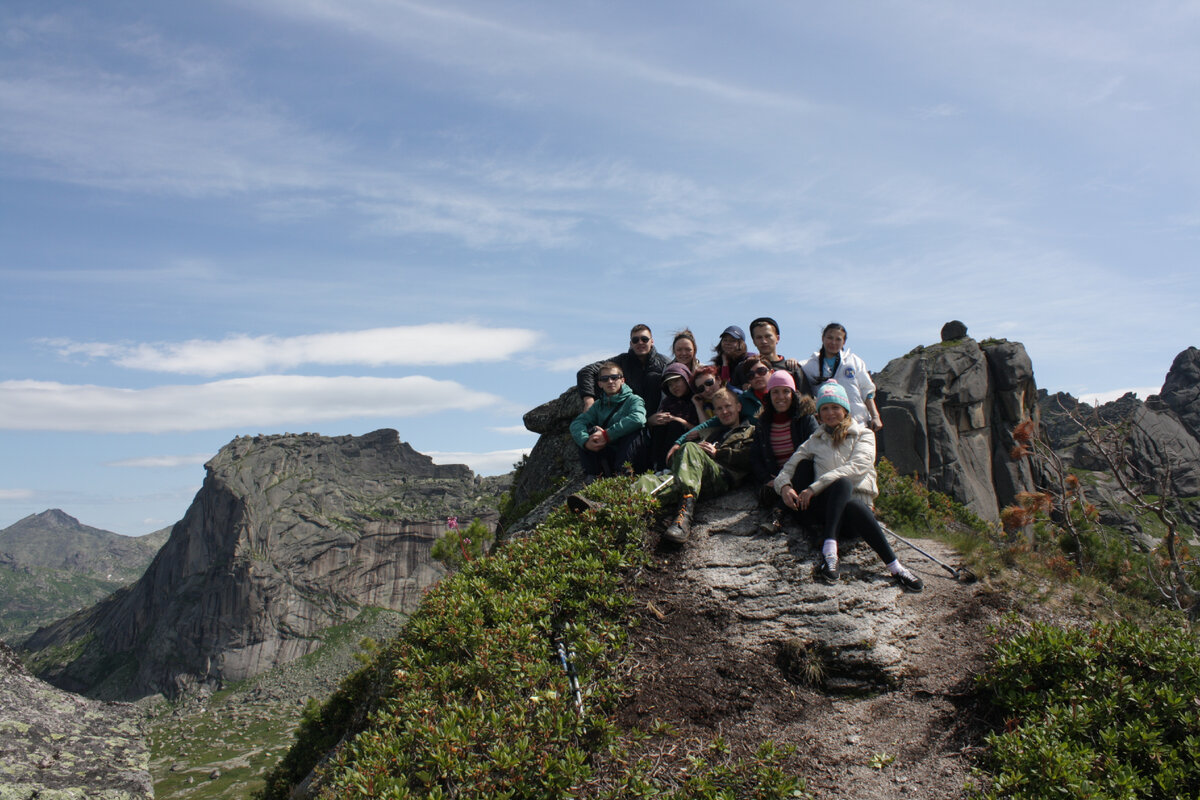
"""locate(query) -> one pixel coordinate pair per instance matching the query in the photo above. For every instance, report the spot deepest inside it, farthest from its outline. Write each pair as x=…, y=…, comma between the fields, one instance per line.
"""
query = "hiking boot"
x=681, y=528
x=909, y=582
x=578, y=504
x=773, y=526
x=827, y=570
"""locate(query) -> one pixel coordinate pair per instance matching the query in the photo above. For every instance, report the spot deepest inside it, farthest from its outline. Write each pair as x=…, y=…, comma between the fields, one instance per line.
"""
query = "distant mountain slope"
x=52, y=565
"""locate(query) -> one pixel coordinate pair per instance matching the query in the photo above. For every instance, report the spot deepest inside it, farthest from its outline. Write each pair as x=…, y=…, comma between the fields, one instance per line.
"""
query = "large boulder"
x=288, y=536
x=948, y=412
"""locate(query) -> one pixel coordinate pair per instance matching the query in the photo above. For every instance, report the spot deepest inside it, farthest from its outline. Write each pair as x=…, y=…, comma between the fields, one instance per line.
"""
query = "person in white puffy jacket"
x=833, y=362
x=830, y=482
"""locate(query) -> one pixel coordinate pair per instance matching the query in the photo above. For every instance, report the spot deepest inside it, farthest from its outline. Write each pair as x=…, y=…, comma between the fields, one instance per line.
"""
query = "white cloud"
x=16, y=494
x=494, y=462
x=1099, y=398
x=413, y=345
x=155, y=462
x=265, y=401
x=573, y=363
x=515, y=430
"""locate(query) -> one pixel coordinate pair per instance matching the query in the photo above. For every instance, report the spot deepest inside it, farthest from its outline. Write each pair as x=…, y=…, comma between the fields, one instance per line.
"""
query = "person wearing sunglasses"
x=641, y=365
x=705, y=383
x=610, y=431
x=765, y=333
x=834, y=362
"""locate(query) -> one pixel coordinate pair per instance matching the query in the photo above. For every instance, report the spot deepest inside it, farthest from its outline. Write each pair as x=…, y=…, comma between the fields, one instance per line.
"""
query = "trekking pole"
x=961, y=574
x=658, y=488
x=566, y=657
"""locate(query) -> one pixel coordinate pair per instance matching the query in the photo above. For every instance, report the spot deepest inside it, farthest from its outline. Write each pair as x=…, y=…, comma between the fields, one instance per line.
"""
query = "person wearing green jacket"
x=610, y=431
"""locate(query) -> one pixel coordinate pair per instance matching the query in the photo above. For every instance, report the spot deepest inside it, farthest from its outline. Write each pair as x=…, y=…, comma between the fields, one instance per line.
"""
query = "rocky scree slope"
x=288, y=535
x=54, y=744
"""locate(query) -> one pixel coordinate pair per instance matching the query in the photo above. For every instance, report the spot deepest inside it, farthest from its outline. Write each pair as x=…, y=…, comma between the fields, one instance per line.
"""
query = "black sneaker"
x=827, y=570
x=909, y=582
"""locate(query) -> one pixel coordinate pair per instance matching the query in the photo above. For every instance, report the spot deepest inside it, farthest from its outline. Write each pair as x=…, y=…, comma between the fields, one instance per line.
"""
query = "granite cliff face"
x=948, y=412
x=289, y=535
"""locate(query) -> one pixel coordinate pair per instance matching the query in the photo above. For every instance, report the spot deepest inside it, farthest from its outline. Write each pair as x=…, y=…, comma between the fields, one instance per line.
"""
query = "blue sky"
x=307, y=215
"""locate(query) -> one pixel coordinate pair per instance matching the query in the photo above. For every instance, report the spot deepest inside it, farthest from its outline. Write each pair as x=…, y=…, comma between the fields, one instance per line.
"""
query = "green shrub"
x=470, y=701
x=1105, y=712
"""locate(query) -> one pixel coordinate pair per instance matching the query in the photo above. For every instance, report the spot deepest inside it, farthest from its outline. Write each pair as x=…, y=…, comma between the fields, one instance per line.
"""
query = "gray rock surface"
x=858, y=628
x=58, y=746
x=554, y=461
x=948, y=412
x=289, y=535
x=1181, y=389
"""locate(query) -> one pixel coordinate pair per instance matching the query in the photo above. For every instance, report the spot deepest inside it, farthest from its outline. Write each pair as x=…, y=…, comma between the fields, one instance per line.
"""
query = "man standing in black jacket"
x=642, y=366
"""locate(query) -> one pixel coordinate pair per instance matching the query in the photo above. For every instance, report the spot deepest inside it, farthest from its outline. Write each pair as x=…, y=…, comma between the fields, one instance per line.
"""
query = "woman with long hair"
x=834, y=362
x=784, y=423
x=841, y=493
x=729, y=352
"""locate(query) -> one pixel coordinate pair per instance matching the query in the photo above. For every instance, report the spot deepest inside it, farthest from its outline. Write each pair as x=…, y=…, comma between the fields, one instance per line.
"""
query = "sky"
x=268, y=216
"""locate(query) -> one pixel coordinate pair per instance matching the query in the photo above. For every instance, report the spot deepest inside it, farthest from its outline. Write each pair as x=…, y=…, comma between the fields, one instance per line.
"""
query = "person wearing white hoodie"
x=840, y=497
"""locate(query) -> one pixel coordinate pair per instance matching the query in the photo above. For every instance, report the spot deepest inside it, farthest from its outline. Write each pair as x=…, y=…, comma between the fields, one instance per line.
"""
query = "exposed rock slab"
x=858, y=627
x=58, y=746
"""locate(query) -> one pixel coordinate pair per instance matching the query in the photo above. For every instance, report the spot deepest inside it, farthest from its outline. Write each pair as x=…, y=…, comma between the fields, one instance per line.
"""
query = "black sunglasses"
x=706, y=383
x=638, y=339
x=760, y=371
x=609, y=378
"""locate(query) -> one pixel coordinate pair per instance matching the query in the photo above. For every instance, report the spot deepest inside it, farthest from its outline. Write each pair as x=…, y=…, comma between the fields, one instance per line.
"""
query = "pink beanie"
x=781, y=377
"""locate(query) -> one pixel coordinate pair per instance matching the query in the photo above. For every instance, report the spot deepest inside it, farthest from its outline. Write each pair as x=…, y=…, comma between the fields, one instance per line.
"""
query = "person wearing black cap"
x=765, y=333
x=729, y=353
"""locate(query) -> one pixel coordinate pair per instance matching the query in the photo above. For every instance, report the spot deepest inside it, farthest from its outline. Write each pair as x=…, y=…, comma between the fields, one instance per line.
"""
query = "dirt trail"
x=716, y=613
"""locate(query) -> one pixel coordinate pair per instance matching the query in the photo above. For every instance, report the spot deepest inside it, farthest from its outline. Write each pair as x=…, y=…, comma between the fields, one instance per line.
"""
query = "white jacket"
x=854, y=377
x=854, y=458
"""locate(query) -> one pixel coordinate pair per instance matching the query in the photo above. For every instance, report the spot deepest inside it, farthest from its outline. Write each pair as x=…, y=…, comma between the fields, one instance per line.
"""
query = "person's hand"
x=709, y=447
x=671, y=452
x=596, y=441
x=660, y=418
x=804, y=499
x=875, y=424
x=791, y=363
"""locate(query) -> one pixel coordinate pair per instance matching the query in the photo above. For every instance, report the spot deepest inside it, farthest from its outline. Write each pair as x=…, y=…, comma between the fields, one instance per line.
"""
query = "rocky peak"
x=289, y=535
x=1181, y=390
x=948, y=411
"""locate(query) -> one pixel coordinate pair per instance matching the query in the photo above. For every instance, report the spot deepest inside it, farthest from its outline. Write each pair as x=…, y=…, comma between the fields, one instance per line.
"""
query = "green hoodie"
x=620, y=415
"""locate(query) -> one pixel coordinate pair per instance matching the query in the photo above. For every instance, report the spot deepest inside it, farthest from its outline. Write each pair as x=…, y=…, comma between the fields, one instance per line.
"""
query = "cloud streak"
x=416, y=345
x=160, y=462
x=262, y=402
x=493, y=462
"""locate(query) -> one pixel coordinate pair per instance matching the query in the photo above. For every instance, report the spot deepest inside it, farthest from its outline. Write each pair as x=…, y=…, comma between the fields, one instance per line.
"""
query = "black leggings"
x=842, y=517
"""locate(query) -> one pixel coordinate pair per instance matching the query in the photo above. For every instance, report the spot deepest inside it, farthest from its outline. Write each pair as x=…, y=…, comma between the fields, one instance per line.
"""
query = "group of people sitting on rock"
x=804, y=431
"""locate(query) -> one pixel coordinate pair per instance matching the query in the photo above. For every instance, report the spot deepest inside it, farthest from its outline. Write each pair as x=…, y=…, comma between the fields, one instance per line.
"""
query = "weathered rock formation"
x=948, y=411
x=288, y=535
x=51, y=565
x=1159, y=442
x=553, y=464
x=57, y=744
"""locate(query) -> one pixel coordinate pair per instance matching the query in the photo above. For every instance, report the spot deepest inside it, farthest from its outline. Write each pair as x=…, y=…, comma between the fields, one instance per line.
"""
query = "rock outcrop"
x=288, y=536
x=948, y=412
x=57, y=744
x=1181, y=390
